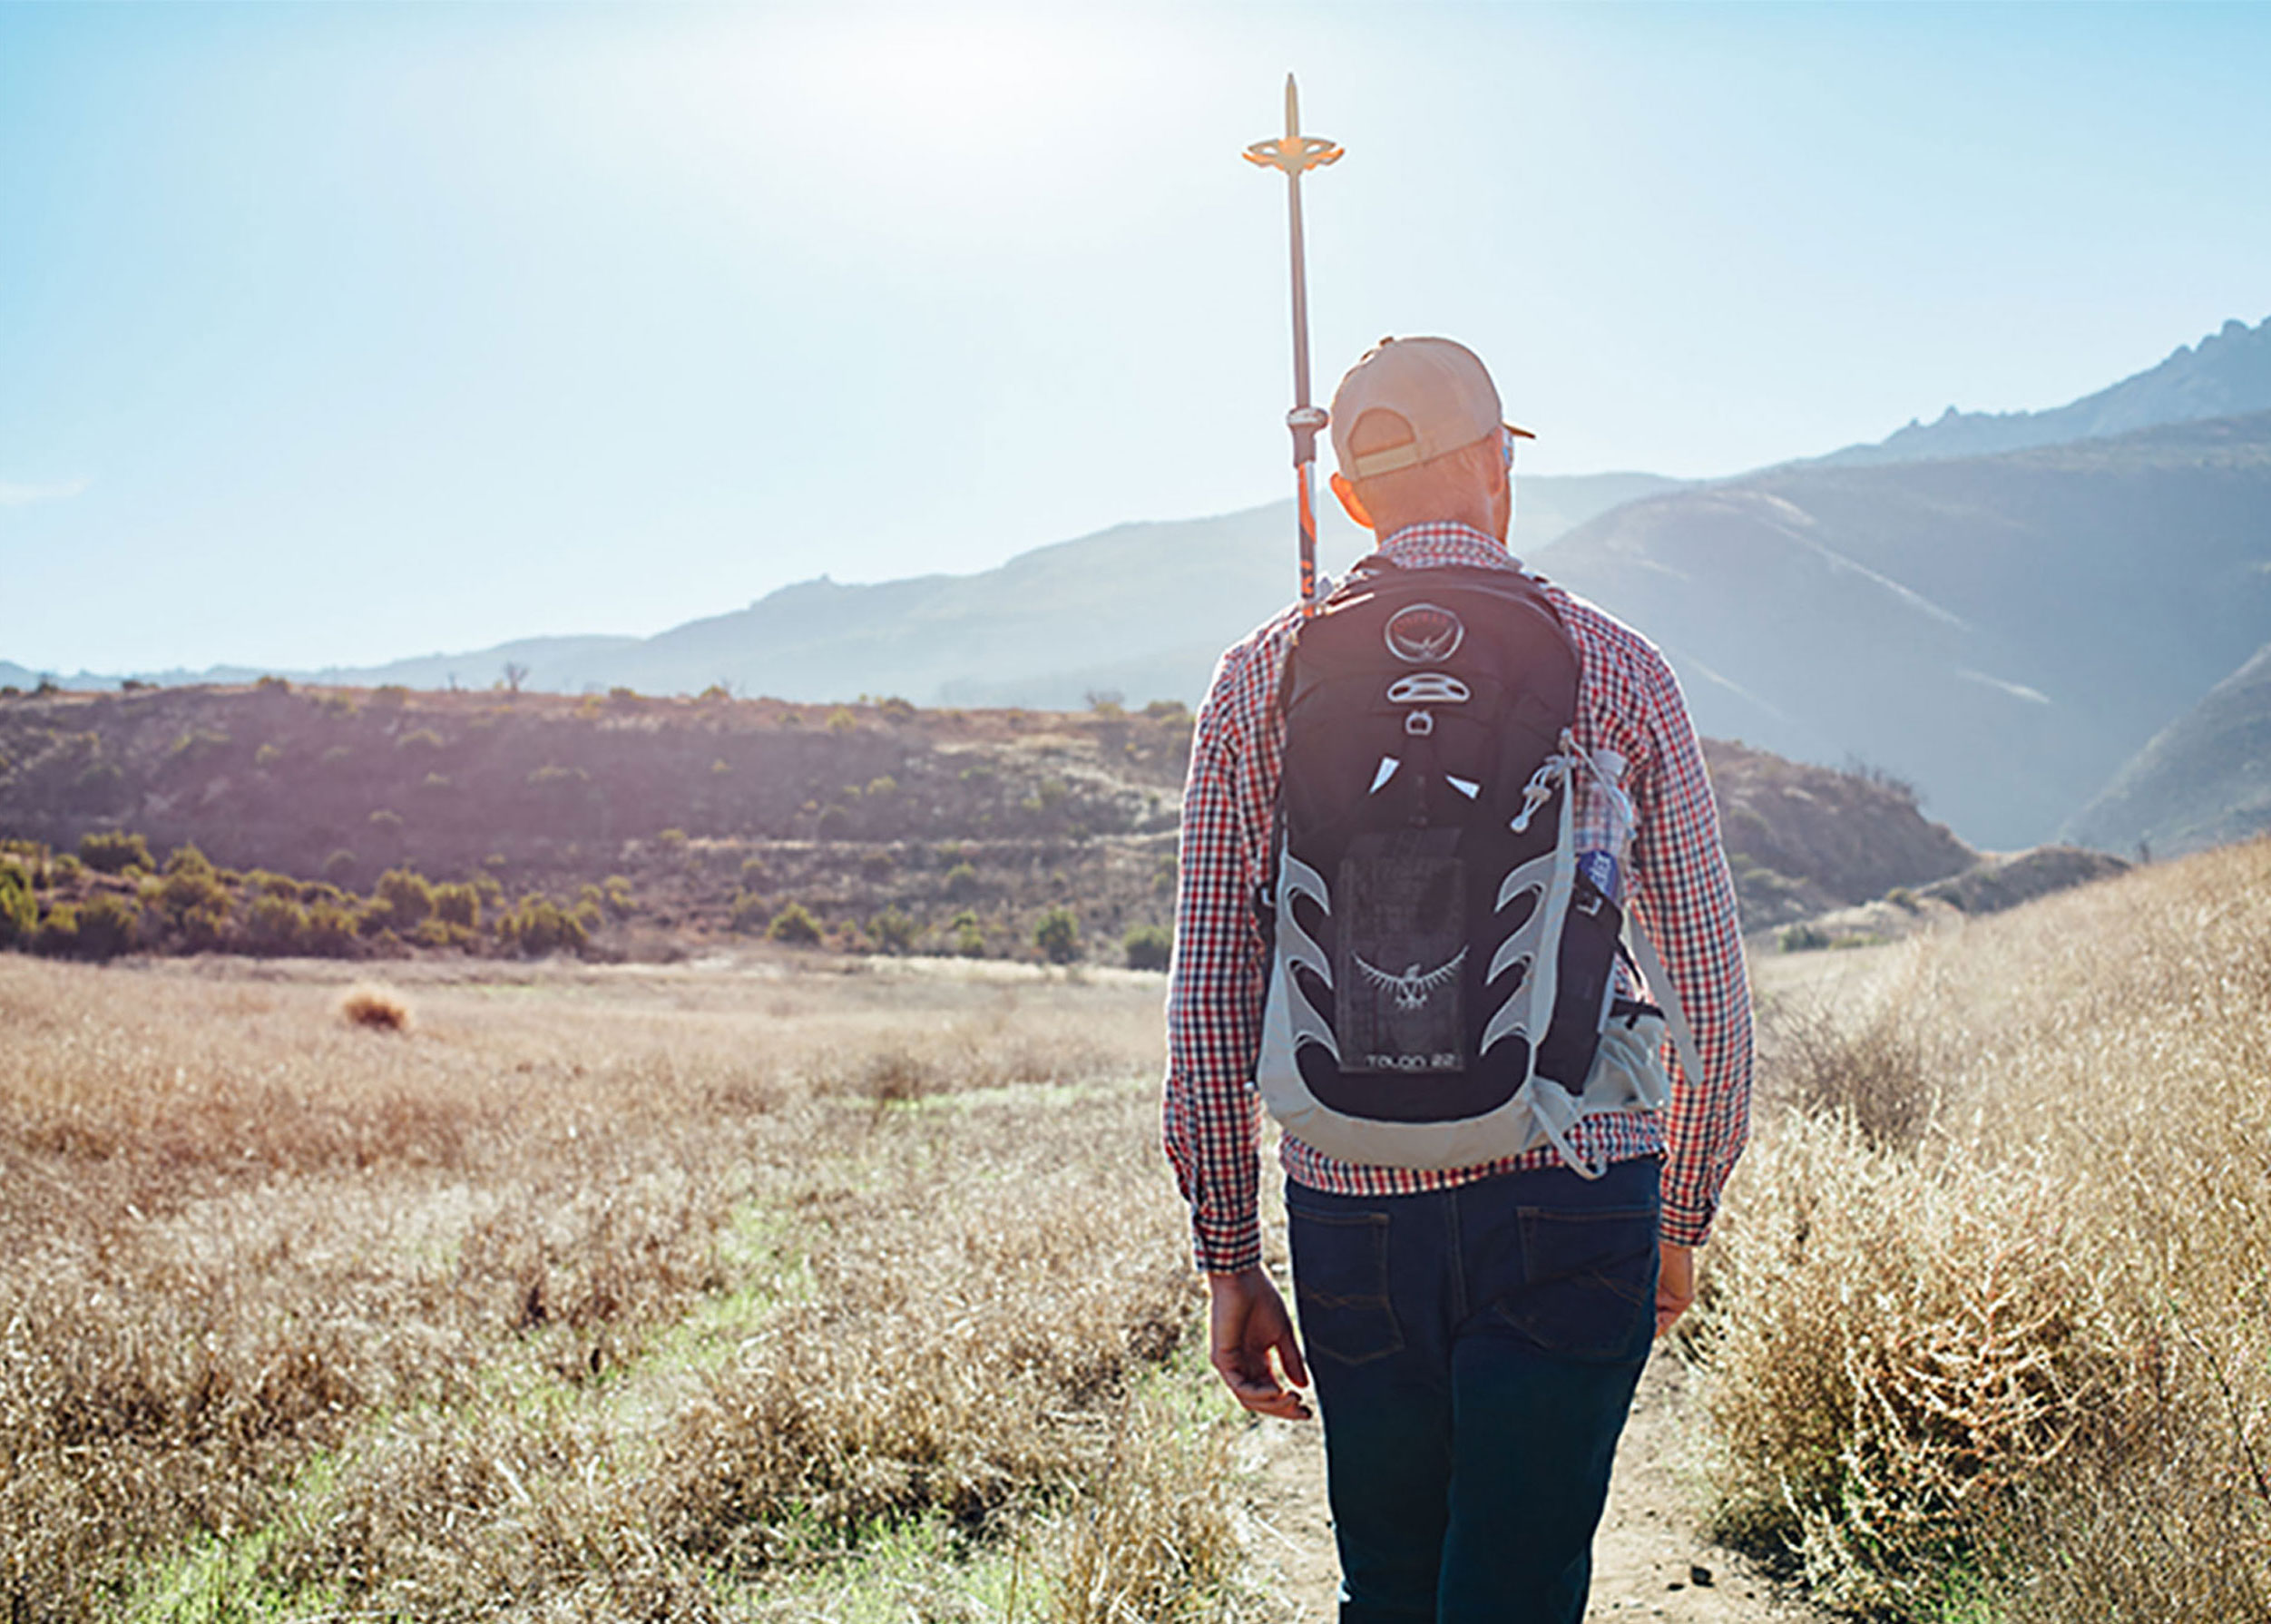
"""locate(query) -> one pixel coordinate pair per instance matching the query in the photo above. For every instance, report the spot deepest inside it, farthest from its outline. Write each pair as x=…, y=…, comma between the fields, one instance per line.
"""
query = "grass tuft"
x=374, y=1008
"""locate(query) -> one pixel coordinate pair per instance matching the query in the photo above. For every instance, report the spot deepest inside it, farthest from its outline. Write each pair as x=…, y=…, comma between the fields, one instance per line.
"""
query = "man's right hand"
x=1245, y=1323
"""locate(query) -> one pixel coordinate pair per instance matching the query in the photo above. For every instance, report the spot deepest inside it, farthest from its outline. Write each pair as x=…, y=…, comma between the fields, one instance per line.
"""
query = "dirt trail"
x=1650, y=1560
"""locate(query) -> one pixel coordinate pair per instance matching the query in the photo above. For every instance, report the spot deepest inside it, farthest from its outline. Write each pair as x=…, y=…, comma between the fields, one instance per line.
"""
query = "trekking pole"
x=1296, y=153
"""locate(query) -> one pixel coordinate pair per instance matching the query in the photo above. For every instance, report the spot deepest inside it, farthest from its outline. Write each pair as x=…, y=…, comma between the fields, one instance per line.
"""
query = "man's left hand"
x=1675, y=1283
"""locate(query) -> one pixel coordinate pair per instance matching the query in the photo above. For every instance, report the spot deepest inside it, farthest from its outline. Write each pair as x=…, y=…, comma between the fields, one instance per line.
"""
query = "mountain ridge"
x=2226, y=374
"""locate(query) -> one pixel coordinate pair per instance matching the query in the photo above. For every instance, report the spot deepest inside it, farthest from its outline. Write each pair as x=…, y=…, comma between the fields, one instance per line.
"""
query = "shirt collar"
x=1447, y=541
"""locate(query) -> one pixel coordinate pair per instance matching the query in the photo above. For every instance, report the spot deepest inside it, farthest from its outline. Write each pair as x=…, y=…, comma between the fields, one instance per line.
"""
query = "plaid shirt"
x=1680, y=888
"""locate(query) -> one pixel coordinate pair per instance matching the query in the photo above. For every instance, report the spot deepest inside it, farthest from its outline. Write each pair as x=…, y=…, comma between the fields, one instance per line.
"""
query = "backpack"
x=1441, y=966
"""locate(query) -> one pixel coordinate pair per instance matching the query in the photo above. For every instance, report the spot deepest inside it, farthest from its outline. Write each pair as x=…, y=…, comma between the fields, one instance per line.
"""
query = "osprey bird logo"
x=1424, y=633
x=1411, y=988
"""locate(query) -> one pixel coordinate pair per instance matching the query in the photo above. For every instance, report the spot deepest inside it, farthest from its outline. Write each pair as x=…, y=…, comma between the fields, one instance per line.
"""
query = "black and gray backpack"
x=1442, y=988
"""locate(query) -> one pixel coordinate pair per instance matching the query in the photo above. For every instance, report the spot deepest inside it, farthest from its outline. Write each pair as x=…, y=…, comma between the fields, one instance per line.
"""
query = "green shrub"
x=841, y=720
x=403, y=900
x=1058, y=936
x=892, y=708
x=1802, y=938
x=65, y=870
x=419, y=738
x=19, y=909
x=340, y=865
x=275, y=925
x=263, y=883
x=458, y=905
x=618, y=889
x=268, y=756
x=108, y=926
x=750, y=916
x=1148, y=946
x=330, y=930
x=272, y=684
x=795, y=925
x=836, y=823
x=893, y=932
x=385, y=821
x=969, y=935
x=539, y=925
x=962, y=880
x=114, y=852
x=190, y=888
x=58, y=936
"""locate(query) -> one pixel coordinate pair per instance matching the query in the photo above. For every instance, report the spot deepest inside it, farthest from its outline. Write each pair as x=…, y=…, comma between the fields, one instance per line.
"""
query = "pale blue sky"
x=336, y=333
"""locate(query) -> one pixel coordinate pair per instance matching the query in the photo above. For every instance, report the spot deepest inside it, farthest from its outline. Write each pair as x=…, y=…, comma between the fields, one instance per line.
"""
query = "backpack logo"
x=1413, y=987
x=1422, y=633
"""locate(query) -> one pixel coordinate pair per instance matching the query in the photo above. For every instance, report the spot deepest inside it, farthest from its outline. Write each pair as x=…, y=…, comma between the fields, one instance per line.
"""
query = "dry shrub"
x=965, y=1342
x=1153, y=1541
x=2021, y=1352
x=1896, y=1348
x=1876, y=1065
x=374, y=1008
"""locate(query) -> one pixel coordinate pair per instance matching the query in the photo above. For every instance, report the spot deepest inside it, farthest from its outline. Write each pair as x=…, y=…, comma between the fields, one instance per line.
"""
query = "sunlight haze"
x=333, y=335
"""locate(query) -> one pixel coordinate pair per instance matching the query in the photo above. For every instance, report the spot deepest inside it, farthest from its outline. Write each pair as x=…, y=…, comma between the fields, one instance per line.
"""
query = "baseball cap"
x=1438, y=390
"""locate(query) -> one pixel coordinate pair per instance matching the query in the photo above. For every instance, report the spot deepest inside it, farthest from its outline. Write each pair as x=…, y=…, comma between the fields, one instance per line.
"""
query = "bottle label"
x=1601, y=868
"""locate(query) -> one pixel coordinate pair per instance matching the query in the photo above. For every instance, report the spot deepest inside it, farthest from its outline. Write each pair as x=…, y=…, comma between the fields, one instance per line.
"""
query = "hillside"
x=716, y=814
x=2227, y=375
x=1804, y=839
x=1140, y=610
x=2002, y=631
x=2203, y=780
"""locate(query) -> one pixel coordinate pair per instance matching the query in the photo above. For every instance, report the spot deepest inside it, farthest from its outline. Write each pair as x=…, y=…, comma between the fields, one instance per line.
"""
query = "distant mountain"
x=2002, y=632
x=2203, y=780
x=2226, y=375
x=1140, y=610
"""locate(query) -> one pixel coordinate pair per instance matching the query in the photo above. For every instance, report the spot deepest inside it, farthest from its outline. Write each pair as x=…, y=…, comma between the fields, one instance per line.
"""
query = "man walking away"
x=1490, y=1217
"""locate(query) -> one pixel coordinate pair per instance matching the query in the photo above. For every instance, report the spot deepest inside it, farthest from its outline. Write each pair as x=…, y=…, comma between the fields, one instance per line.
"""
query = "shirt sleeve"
x=1216, y=990
x=1684, y=898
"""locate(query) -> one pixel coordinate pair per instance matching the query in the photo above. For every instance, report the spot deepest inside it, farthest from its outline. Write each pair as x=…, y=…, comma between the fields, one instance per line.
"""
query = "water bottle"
x=1604, y=822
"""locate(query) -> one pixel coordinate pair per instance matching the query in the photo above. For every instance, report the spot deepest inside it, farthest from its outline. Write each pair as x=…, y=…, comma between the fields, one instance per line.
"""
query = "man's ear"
x=1350, y=503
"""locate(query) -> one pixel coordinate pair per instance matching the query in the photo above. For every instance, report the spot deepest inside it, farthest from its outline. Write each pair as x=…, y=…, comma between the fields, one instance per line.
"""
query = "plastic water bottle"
x=1604, y=822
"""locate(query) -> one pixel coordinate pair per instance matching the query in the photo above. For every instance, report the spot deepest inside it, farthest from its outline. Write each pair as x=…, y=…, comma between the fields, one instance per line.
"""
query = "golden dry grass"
x=598, y=1294
x=1988, y=1318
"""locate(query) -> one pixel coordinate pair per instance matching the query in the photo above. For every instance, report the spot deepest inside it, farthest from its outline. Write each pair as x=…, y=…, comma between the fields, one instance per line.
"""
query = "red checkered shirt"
x=1628, y=702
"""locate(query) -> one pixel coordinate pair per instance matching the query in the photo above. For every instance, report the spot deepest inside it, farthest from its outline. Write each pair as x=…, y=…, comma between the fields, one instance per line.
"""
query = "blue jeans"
x=1475, y=1352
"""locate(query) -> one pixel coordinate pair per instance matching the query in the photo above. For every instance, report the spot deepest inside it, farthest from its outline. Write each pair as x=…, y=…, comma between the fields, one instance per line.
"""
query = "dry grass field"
x=791, y=1288
x=777, y=1293
x=1987, y=1329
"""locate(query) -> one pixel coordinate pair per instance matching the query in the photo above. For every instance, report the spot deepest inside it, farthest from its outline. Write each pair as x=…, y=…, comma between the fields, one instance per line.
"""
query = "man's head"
x=1417, y=431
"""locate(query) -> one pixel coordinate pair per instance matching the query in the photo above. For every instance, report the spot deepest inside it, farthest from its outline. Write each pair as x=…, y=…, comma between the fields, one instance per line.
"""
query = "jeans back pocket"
x=1340, y=1283
x=1589, y=1290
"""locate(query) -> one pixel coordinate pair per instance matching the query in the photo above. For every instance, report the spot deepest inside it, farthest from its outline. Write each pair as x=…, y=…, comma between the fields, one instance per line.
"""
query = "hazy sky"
x=334, y=334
